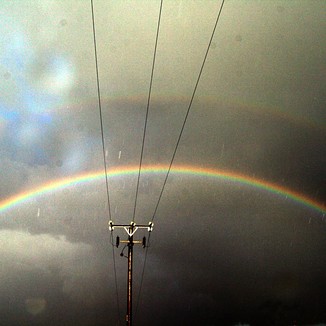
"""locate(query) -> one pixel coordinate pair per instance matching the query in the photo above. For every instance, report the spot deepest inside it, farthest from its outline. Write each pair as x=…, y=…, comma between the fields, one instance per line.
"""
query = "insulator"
x=117, y=242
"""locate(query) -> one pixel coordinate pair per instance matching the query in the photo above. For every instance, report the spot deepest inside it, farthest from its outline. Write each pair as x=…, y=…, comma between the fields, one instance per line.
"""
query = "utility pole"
x=131, y=230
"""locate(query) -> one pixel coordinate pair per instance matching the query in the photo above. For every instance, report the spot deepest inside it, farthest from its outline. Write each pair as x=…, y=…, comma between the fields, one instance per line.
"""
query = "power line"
x=100, y=111
x=147, y=109
x=103, y=150
x=177, y=145
x=188, y=110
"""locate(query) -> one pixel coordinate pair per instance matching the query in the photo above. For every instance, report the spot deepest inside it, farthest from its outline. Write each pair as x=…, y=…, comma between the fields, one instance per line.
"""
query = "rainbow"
x=210, y=101
x=223, y=175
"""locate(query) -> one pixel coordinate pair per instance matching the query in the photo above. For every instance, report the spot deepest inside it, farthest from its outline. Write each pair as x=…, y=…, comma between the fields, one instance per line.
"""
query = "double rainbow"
x=218, y=174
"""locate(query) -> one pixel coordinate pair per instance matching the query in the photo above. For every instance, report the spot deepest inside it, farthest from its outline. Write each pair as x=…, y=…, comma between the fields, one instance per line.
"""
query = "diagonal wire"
x=100, y=111
x=177, y=143
x=103, y=151
x=188, y=110
x=147, y=109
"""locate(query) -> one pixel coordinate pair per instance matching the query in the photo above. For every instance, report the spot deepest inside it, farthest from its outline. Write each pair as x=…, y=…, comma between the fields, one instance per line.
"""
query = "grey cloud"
x=221, y=252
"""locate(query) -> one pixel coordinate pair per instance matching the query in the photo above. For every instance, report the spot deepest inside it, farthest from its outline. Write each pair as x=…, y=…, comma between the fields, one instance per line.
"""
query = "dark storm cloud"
x=263, y=145
x=221, y=253
x=235, y=261
x=226, y=249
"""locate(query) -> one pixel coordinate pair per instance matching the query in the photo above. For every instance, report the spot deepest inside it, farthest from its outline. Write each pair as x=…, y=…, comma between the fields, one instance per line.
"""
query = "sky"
x=239, y=232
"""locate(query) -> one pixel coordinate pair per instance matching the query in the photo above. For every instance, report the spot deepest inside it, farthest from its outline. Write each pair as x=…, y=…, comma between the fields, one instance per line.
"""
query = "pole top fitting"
x=150, y=226
x=132, y=227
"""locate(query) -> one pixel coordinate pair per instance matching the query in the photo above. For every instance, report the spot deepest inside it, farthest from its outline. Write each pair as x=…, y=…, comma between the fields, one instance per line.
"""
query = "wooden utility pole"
x=129, y=290
x=131, y=230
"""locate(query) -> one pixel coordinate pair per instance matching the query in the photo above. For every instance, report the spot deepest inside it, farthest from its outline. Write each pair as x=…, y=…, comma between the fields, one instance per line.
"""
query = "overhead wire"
x=143, y=140
x=178, y=141
x=188, y=110
x=147, y=109
x=103, y=151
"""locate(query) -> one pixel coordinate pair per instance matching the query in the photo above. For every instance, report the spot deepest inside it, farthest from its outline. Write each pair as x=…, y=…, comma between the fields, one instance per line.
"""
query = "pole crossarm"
x=132, y=227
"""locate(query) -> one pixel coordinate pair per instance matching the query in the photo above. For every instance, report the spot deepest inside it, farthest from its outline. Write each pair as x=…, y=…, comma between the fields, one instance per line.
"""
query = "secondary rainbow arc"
x=227, y=175
x=250, y=106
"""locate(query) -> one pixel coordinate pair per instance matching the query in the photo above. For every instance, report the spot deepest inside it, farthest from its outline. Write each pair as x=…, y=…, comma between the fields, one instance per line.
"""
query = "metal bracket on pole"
x=132, y=227
x=131, y=230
